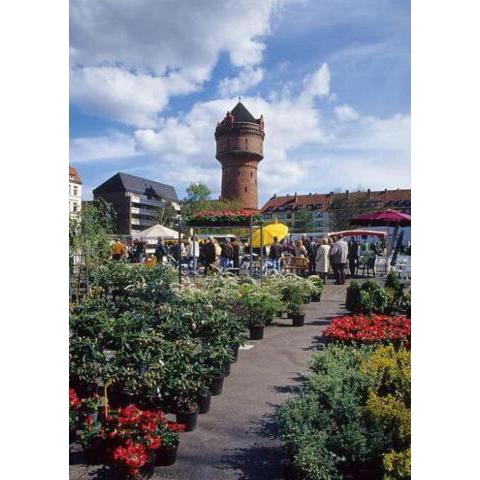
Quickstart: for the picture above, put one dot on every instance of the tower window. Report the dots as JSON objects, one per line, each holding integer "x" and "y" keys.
{"x": 246, "y": 189}
{"x": 251, "y": 174}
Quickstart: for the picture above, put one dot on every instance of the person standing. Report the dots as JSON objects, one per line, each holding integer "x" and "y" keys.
{"x": 118, "y": 250}
{"x": 300, "y": 250}
{"x": 276, "y": 254}
{"x": 312, "y": 252}
{"x": 160, "y": 251}
{"x": 226, "y": 254}
{"x": 210, "y": 255}
{"x": 236, "y": 254}
{"x": 353, "y": 256}
{"x": 193, "y": 254}
{"x": 322, "y": 259}
{"x": 338, "y": 254}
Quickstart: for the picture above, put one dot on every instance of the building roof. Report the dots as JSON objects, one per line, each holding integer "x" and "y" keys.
{"x": 241, "y": 114}
{"x": 73, "y": 175}
{"x": 322, "y": 201}
{"x": 131, "y": 183}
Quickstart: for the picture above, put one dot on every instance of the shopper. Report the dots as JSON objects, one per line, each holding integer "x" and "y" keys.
{"x": 322, "y": 259}
{"x": 276, "y": 254}
{"x": 338, "y": 256}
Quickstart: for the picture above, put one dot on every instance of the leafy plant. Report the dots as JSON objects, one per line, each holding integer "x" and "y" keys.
{"x": 259, "y": 306}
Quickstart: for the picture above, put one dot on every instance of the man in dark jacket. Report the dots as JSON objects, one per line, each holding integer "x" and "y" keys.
{"x": 210, "y": 255}
{"x": 275, "y": 254}
{"x": 353, "y": 256}
{"x": 226, "y": 255}
{"x": 236, "y": 253}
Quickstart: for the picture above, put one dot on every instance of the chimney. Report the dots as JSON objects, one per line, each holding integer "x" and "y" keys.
{"x": 347, "y": 193}
{"x": 274, "y": 195}
{"x": 330, "y": 198}
{"x": 369, "y": 194}
{"x": 386, "y": 195}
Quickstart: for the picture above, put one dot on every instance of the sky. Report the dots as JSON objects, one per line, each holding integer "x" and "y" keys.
{"x": 150, "y": 79}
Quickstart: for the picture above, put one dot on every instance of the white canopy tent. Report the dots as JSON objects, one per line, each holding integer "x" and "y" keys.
{"x": 156, "y": 231}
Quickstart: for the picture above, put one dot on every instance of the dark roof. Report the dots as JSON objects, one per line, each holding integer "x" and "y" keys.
{"x": 131, "y": 183}
{"x": 241, "y": 114}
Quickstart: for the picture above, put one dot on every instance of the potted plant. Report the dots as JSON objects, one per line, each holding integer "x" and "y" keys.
{"x": 89, "y": 408}
{"x": 259, "y": 307}
{"x": 216, "y": 358}
{"x": 204, "y": 400}
{"x": 92, "y": 440}
{"x": 166, "y": 454}
{"x": 74, "y": 406}
{"x": 316, "y": 287}
{"x": 295, "y": 294}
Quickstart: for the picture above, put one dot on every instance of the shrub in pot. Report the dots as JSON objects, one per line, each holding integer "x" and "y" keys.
{"x": 216, "y": 355}
{"x": 259, "y": 307}
{"x": 295, "y": 294}
{"x": 166, "y": 454}
{"x": 316, "y": 285}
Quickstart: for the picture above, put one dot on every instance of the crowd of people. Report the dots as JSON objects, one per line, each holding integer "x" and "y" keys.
{"x": 328, "y": 255}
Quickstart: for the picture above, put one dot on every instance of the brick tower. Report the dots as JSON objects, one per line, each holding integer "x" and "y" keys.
{"x": 239, "y": 139}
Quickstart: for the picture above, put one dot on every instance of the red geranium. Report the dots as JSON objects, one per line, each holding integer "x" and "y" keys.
{"x": 133, "y": 455}
{"x": 176, "y": 427}
{"x": 369, "y": 329}
{"x": 75, "y": 402}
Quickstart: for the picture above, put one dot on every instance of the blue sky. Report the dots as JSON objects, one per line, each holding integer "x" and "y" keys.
{"x": 150, "y": 79}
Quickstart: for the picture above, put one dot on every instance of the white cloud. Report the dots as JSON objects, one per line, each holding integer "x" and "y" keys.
{"x": 186, "y": 145}
{"x": 90, "y": 149}
{"x": 246, "y": 79}
{"x": 346, "y": 113}
{"x": 129, "y": 57}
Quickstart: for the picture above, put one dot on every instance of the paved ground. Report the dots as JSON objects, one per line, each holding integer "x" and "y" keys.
{"x": 237, "y": 438}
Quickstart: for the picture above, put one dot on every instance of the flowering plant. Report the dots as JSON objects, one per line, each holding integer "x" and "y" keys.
{"x": 74, "y": 405}
{"x": 369, "y": 329}
{"x": 223, "y": 216}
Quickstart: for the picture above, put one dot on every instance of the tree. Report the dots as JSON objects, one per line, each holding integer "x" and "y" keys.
{"x": 197, "y": 192}
{"x": 304, "y": 221}
{"x": 166, "y": 215}
{"x": 345, "y": 207}
{"x": 90, "y": 232}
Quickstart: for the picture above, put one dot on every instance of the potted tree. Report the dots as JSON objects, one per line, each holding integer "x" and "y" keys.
{"x": 316, "y": 287}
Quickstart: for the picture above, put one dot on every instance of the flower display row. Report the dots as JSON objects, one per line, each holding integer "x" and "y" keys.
{"x": 223, "y": 217}
{"x": 369, "y": 329}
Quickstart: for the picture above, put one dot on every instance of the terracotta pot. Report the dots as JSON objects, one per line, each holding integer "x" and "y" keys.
{"x": 256, "y": 333}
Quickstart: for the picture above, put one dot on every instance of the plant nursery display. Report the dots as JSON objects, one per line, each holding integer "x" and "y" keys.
{"x": 142, "y": 346}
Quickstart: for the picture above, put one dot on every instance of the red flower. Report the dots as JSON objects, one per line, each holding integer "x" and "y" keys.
{"x": 369, "y": 329}
{"x": 75, "y": 402}
{"x": 153, "y": 442}
{"x": 176, "y": 427}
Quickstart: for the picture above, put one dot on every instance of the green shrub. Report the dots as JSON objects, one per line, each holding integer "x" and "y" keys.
{"x": 350, "y": 414}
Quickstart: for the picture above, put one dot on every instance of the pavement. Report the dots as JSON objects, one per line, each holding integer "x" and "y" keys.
{"x": 238, "y": 438}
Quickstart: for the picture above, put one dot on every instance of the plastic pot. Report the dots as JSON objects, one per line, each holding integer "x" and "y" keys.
{"x": 235, "y": 352}
{"x": 204, "y": 400}
{"x": 189, "y": 419}
{"x": 216, "y": 385}
{"x": 226, "y": 369}
{"x": 166, "y": 456}
{"x": 256, "y": 333}
{"x": 298, "y": 320}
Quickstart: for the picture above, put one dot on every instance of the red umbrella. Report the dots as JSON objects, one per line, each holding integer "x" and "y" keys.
{"x": 383, "y": 218}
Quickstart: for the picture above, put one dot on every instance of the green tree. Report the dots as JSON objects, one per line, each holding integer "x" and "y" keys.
{"x": 197, "y": 192}
{"x": 90, "y": 233}
{"x": 304, "y": 221}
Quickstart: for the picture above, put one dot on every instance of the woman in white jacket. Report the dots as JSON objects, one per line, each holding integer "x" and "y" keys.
{"x": 322, "y": 260}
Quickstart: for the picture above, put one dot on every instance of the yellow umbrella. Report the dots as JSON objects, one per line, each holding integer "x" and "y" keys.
{"x": 276, "y": 229}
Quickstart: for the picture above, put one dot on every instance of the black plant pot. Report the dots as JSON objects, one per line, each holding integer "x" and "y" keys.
{"x": 289, "y": 315}
{"x": 189, "y": 419}
{"x": 298, "y": 320}
{"x": 166, "y": 456}
{"x": 256, "y": 333}
{"x": 95, "y": 454}
{"x": 316, "y": 298}
{"x": 235, "y": 352}
{"x": 204, "y": 400}
{"x": 216, "y": 385}
{"x": 226, "y": 369}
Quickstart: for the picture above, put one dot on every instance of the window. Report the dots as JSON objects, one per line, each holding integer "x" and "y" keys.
{"x": 289, "y": 215}
{"x": 75, "y": 191}
{"x": 75, "y": 208}
{"x": 251, "y": 174}
{"x": 246, "y": 189}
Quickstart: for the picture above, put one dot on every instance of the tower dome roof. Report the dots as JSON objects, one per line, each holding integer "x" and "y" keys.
{"x": 241, "y": 114}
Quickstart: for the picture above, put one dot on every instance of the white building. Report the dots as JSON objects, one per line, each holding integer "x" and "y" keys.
{"x": 75, "y": 191}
